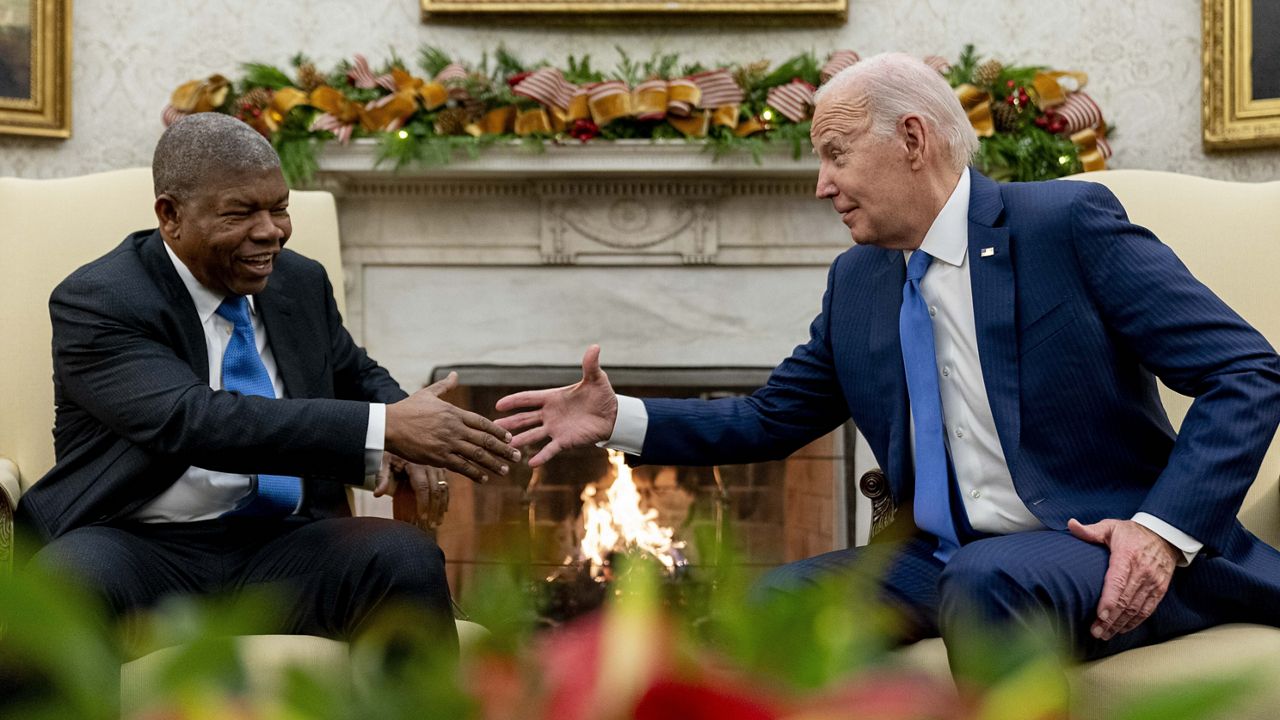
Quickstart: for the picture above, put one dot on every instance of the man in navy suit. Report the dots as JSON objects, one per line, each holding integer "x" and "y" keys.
{"x": 998, "y": 345}
{"x": 212, "y": 410}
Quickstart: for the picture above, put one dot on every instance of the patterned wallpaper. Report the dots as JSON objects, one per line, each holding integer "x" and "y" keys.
{"x": 1143, "y": 57}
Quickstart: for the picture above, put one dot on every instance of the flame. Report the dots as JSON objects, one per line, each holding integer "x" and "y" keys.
{"x": 613, "y": 522}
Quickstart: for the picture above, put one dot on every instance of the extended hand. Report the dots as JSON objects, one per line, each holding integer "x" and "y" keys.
{"x": 1138, "y": 575}
{"x": 426, "y": 430}
{"x": 572, "y": 416}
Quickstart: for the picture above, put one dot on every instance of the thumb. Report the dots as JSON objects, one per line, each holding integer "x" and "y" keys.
{"x": 591, "y": 363}
{"x": 441, "y": 387}
{"x": 1098, "y": 533}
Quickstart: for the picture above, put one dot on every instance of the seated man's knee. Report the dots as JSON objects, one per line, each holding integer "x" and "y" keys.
{"x": 406, "y": 558}
{"x": 981, "y": 582}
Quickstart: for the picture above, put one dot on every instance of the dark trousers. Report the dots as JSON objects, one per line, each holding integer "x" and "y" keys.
{"x": 329, "y": 576}
{"x": 1029, "y": 578}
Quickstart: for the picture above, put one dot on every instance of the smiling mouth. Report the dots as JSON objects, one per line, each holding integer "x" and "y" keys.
{"x": 258, "y": 264}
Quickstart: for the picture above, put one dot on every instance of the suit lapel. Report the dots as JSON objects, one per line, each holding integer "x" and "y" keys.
{"x": 185, "y": 319}
{"x": 991, "y": 272}
{"x": 286, "y": 336}
{"x": 884, "y": 286}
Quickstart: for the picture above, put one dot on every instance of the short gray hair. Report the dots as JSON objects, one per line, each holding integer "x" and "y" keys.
{"x": 205, "y": 147}
{"x": 895, "y": 85}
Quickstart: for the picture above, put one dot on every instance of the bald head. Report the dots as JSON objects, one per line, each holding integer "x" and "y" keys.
{"x": 891, "y": 86}
{"x": 206, "y": 149}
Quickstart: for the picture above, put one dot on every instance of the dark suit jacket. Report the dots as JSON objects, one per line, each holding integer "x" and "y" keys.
{"x": 134, "y": 406}
{"x": 1075, "y": 312}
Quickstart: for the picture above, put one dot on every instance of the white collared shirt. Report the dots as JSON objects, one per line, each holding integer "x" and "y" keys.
{"x": 982, "y": 473}
{"x": 201, "y": 494}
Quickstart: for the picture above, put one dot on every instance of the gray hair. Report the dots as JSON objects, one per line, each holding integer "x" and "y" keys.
{"x": 895, "y": 85}
{"x": 200, "y": 149}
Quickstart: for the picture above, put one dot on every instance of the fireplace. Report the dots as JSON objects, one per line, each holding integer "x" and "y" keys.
{"x": 776, "y": 511}
{"x": 694, "y": 274}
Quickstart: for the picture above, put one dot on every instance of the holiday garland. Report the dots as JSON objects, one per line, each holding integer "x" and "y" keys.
{"x": 1034, "y": 124}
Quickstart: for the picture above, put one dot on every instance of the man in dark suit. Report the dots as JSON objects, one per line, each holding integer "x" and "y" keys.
{"x": 212, "y": 409}
{"x": 996, "y": 345}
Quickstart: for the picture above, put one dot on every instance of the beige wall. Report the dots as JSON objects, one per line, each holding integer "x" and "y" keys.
{"x": 1143, "y": 57}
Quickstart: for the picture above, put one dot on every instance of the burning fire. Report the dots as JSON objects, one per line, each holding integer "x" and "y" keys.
{"x": 614, "y": 522}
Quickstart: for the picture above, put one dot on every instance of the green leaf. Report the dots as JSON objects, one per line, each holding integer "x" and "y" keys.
{"x": 268, "y": 76}
{"x": 432, "y": 60}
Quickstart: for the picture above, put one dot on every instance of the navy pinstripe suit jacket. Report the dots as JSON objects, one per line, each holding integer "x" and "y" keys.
{"x": 1076, "y": 312}
{"x": 133, "y": 404}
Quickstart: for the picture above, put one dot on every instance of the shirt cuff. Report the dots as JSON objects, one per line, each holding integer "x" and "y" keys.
{"x": 629, "y": 427}
{"x": 1189, "y": 546}
{"x": 374, "y": 440}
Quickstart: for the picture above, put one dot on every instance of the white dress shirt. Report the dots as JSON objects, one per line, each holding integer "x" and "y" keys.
{"x": 201, "y": 494}
{"x": 982, "y": 474}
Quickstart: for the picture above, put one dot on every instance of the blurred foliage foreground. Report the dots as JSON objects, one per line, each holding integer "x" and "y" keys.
{"x": 816, "y": 655}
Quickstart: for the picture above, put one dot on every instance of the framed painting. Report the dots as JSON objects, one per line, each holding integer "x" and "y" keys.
{"x": 1241, "y": 73}
{"x": 35, "y": 67}
{"x": 820, "y": 9}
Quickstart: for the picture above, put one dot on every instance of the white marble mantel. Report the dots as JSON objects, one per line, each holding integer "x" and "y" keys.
{"x": 663, "y": 253}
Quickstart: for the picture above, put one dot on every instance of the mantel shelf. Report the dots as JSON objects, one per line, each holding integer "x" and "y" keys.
{"x": 358, "y": 161}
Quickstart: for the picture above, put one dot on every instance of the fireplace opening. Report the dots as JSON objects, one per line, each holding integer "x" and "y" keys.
{"x": 566, "y": 520}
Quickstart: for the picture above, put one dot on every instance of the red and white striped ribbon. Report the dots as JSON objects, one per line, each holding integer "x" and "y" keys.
{"x": 361, "y": 75}
{"x": 334, "y": 125}
{"x": 792, "y": 100}
{"x": 718, "y": 88}
{"x": 171, "y": 115}
{"x": 680, "y": 108}
{"x": 646, "y": 86}
{"x": 837, "y": 61}
{"x": 1080, "y": 112}
{"x": 453, "y": 72}
{"x": 547, "y": 86}
{"x": 601, "y": 90}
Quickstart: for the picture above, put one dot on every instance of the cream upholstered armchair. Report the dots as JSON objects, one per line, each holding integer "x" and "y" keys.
{"x": 48, "y": 228}
{"x": 1228, "y": 234}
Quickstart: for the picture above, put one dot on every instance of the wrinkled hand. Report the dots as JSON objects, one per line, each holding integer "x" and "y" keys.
{"x": 1142, "y": 564}
{"x": 571, "y": 416}
{"x": 426, "y": 430}
{"x": 399, "y": 477}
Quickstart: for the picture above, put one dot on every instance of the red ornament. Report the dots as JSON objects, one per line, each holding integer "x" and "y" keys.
{"x": 584, "y": 129}
{"x": 518, "y": 78}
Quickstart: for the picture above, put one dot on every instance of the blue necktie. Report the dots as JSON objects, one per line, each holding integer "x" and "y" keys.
{"x": 243, "y": 372}
{"x": 919, "y": 358}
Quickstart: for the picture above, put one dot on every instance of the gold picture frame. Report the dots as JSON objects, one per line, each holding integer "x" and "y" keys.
{"x": 1234, "y": 116}
{"x": 35, "y": 67}
{"x": 604, "y": 9}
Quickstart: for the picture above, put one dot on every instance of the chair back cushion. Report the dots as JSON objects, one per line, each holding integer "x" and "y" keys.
{"x": 48, "y": 228}
{"x": 1228, "y": 234}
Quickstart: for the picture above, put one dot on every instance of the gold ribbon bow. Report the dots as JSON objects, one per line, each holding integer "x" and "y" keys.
{"x": 199, "y": 96}
{"x": 977, "y": 105}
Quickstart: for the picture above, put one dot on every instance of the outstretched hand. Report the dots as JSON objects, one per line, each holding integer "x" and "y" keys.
{"x": 1138, "y": 576}
{"x": 426, "y": 430}
{"x": 571, "y": 416}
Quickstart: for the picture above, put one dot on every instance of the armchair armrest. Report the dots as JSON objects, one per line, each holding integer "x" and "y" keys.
{"x": 10, "y": 490}
{"x": 875, "y": 487}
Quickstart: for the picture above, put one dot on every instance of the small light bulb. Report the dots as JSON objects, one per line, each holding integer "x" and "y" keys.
{"x": 404, "y": 134}
{"x": 767, "y": 115}
{"x": 1063, "y": 159}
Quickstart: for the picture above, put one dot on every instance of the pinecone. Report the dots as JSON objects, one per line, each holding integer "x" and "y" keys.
{"x": 452, "y": 121}
{"x": 308, "y": 77}
{"x": 749, "y": 76}
{"x": 258, "y": 98}
{"x": 1005, "y": 116}
{"x": 987, "y": 73}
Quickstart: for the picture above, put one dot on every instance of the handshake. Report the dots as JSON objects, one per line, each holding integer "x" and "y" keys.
{"x": 424, "y": 431}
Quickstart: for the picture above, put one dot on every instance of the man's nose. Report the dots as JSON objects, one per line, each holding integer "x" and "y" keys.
{"x": 826, "y": 188}
{"x": 265, "y": 228}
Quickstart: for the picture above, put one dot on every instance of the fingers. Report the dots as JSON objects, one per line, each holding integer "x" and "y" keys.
{"x": 551, "y": 450}
{"x": 525, "y": 399}
{"x": 591, "y": 363}
{"x": 1098, "y": 533}
{"x": 441, "y": 387}
{"x": 1114, "y": 587}
{"x": 519, "y": 421}
{"x": 531, "y": 437}
{"x": 386, "y": 482}
{"x": 485, "y": 425}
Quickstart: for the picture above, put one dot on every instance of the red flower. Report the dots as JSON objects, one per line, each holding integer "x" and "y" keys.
{"x": 584, "y": 130}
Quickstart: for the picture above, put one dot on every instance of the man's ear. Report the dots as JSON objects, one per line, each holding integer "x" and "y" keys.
{"x": 167, "y": 214}
{"x": 915, "y": 140}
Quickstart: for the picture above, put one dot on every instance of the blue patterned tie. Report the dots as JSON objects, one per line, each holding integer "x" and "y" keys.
{"x": 919, "y": 358}
{"x": 243, "y": 372}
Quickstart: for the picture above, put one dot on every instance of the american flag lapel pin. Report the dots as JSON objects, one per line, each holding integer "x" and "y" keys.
{"x": 988, "y": 252}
